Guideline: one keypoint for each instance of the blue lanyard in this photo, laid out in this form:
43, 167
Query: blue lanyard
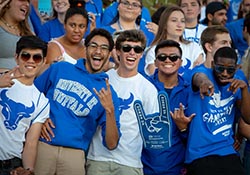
195, 39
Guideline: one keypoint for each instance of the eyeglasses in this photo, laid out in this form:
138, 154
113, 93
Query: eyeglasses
133, 5
36, 57
137, 49
103, 47
221, 69
163, 57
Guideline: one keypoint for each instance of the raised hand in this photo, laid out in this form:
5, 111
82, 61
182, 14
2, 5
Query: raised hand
6, 78
105, 97
180, 119
206, 88
235, 84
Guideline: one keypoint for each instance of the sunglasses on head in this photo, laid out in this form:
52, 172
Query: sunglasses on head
137, 49
163, 57
221, 69
36, 57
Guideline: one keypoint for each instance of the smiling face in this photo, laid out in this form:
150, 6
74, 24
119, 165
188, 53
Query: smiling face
97, 53
75, 28
18, 10
129, 56
175, 25
60, 6
129, 10
168, 67
30, 62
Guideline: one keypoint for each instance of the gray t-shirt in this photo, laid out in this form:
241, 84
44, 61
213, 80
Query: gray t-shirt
7, 49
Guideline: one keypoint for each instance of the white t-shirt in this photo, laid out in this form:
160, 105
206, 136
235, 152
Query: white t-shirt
20, 107
194, 34
128, 151
190, 53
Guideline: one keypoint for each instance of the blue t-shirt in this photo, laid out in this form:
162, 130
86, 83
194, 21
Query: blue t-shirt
51, 29
111, 12
75, 109
211, 130
236, 33
35, 19
95, 7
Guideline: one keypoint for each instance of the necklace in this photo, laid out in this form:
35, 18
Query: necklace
12, 29
8, 25
121, 28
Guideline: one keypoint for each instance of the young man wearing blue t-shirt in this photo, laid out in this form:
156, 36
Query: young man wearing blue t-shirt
215, 95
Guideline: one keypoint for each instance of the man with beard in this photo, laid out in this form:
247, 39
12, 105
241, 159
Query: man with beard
81, 100
216, 14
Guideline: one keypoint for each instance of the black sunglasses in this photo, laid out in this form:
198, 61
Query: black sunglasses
137, 49
221, 69
163, 57
36, 57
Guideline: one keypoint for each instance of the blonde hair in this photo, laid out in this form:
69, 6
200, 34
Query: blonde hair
23, 25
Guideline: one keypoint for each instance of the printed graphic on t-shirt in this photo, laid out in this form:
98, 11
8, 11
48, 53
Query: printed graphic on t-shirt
217, 119
185, 66
13, 112
125, 103
64, 95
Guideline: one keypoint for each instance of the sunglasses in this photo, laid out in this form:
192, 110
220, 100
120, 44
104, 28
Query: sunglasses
163, 57
36, 57
221, 69
137, 49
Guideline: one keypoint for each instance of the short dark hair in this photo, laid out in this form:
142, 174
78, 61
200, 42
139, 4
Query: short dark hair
225, 52
130, 35
31, 42
168, 43
100, 32
76, 11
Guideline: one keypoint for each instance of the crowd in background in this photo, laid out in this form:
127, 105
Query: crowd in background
103, 88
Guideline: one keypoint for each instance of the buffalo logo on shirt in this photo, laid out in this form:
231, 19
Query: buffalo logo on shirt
13, 112
125, 103
186, 66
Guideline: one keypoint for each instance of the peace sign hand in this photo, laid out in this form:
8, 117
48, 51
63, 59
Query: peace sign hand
6, 78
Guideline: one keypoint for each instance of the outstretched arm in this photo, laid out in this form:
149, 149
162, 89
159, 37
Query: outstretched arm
201, 82
105, 97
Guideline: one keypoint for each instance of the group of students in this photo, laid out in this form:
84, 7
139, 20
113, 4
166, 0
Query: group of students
91, 118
